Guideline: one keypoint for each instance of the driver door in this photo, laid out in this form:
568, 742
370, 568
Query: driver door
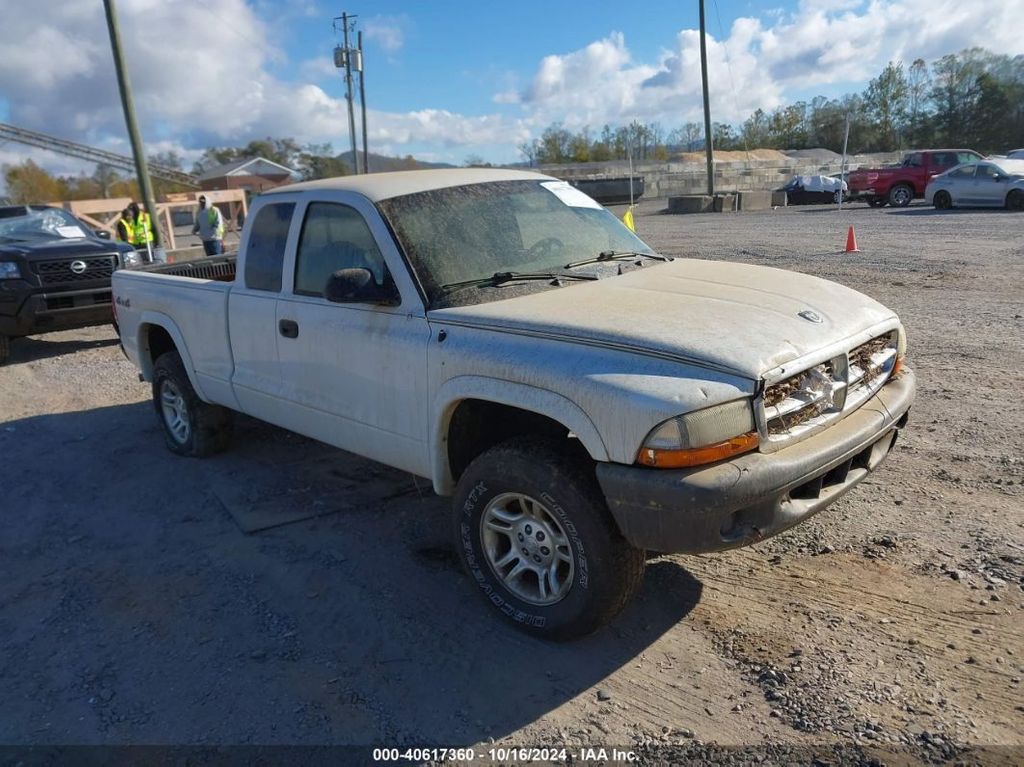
355, 374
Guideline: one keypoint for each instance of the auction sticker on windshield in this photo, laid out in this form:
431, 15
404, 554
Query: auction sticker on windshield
70, 231
570, 195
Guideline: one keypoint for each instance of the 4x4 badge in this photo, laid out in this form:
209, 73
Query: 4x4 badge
810, 316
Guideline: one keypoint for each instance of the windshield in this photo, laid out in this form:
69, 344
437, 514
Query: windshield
473, 232
26, 223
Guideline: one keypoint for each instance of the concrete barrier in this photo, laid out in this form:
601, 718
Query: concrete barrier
755, 201
725, 203
691, 203
779, 199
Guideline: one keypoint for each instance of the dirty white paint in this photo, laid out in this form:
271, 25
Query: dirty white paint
609, 359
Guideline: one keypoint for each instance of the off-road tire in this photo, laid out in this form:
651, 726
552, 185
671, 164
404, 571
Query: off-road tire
5, 348
209, 426
876, 202
608, 570
1014, 201
900, 196
942, 200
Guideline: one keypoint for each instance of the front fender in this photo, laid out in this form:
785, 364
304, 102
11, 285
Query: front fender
541, 401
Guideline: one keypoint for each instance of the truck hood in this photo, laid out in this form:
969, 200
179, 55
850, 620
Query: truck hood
41, 250
737, 318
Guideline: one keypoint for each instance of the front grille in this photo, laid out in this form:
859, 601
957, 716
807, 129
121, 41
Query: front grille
59, 272
825, 392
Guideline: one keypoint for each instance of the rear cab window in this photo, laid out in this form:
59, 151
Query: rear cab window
264, 251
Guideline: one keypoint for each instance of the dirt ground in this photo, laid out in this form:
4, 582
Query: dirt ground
133, 609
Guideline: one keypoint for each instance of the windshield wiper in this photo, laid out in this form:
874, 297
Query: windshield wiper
616, 255
501, 278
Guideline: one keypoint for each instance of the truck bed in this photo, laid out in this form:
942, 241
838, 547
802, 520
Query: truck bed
220, 268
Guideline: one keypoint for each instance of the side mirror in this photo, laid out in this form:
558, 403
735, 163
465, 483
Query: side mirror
357, 286
103, 234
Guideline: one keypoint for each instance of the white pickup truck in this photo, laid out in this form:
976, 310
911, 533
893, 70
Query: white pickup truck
583, 398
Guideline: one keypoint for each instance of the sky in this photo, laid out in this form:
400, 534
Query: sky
447, 80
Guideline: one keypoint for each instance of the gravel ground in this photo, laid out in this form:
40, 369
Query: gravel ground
134, 610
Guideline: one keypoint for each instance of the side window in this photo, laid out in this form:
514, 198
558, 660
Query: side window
914, 160
264, 252
986, 171
334, 237
967, 171
967, 157
943, 160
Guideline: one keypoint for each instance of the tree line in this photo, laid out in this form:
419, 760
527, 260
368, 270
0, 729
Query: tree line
973, 99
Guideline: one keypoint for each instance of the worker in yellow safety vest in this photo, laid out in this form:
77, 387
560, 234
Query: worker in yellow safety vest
210, 227
140, 227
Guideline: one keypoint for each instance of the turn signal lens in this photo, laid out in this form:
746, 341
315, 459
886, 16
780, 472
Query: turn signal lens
697, 456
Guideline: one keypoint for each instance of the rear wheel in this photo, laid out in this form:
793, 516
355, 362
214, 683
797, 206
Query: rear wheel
1015, 200
191, 427
534, 533
942, 200
5, 348
876, 202
900, 196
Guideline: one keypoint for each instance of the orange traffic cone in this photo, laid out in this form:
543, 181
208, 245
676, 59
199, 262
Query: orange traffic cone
851, 242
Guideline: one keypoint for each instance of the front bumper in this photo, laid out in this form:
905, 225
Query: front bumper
757, 495
23, 315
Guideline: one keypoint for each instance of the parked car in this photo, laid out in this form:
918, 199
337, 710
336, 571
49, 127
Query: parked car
582, 397
1015, 154
814, 190
54, 272
900, 184
991, 184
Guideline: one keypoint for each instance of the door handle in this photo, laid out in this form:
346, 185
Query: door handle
288, 328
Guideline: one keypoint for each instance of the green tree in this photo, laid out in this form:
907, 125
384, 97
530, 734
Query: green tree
554, 145
918, 84
756, 131
28, 184
886, 103
319, 161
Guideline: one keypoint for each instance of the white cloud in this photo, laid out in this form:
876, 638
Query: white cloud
761, 62
386, 31
205, 73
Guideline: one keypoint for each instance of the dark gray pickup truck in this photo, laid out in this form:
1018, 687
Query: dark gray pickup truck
54, 272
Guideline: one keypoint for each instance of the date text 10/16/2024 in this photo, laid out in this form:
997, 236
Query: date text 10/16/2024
518, 754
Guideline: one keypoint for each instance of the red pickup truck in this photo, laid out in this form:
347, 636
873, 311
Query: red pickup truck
897, 185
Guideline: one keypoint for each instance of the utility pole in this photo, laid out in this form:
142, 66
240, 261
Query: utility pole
362, 100
708, 149
343, 58
842, 167
129, 117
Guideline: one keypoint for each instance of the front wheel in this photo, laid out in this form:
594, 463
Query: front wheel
1015, 200
900, 196
942, 201
191, 427
536, 537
